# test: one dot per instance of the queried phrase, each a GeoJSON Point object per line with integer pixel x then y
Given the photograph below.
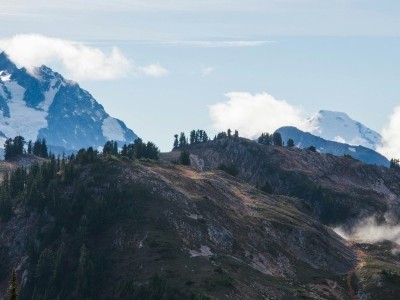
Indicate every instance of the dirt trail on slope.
{"type": "Point", "coordinates": [360, 264]}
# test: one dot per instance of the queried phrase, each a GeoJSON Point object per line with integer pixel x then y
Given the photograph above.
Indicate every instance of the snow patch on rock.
{"type": "Point", "coordinates": [49, 95]}
{"type": "Point", "coordinates": [112, 130]}
{"type": "Point", "coordinates": [24, 119]}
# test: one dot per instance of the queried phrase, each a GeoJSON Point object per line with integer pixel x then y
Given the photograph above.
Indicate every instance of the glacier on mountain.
{"type": "Point", "coordinates": [339, 127]}
{"type": "Point", "coordinates": [43, 104]}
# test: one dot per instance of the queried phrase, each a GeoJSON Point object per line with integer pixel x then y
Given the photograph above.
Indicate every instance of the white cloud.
{"type": "Point", "coordinates": [391, 136]}
{"type": "Point", "coordinates": [154, 70]}
{"type": "Point", "coordinates": [210, 44]}
{"type": "Point", "coordinates": [369, 231]}
{"type": "Point", "coordinates": [79, 60]}
{"type": "Point", "coordinates": [253, 114]}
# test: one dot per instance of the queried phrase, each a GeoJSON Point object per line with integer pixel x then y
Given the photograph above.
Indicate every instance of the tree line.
{"type": "Point", "coordinates": [274, 139]}
{"type": "Point", "coordinates": [200, 136]}
{"type": "Point", "coordinates": [138, 149]}
{"type": "Point", "coordinates": [14, 147]}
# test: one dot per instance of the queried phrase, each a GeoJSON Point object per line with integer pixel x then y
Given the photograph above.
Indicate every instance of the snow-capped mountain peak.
{"type": "Point", "coordinates": [339, 127]}
{"type": "Point", "coordinates": [42, 104]}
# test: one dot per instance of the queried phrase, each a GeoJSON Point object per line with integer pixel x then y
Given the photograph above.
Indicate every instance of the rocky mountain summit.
{"type": "Point", "coordinates": [42, 104]}
{"type": "Point", "coordinates": [339, 127]}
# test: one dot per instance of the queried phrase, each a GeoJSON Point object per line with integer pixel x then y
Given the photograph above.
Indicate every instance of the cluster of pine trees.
{"type": "Point", "coordinates": [274, 139]}
{"type": "Point", "coordinates": [15, 147]}
{"type": "Point", "coordinates": [200, 136]}
{"type": "Point", "coordinates": [137, 150]}
{"type": "Point", "coordinates": [227, 134]}
{"type": "Point", "coordinates": [39, 148]}
{"type": "Point", "coordinates": [271, 139]}
{"type": "Point", "coordinates": [395, 163]}
{"type": "Point", "coordinates": [196, 137]}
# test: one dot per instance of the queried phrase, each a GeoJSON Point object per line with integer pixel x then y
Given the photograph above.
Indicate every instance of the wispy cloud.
{"type": "Point", "coordinates": [253, 114]}
{"type": "Point", "coordinates": [206, 71]}
{"type": "Point", "coordinates": [208, 44]}
{"type": "Point", "coordinates": [79, 60]}
{"type": "Point", "coordinates": [391, 136]}
{"type": "Point", "coordinates": [149, 5]}
{"type": "Point", "coordinates": [154, 70]}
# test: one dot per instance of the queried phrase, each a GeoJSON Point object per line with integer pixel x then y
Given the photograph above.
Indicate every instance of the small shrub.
{"type": "Point", "coordinates": [312, 149]}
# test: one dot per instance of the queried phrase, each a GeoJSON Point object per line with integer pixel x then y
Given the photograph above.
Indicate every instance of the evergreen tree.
{"type": "Point", "coordinates": [184, 158]}
{"type": "Point", "coordinates": [152, 151]}
{"type": "Point", "coordinates": [265, 139]}
{"type": "Point", "coordinates": [395, 163]}
{"type": "Point", "coordinates": [108, 148]}
{"type": "Point", "coordinates": [205, 137]}
{"type": "Point", "coordinates": [6, 210]}
{"type": "Point", "coordinates": [290, 143]}
{"type": "Point", "coordinates": [12, 291]}
{"type": "Point", "coordinates": [18, 142]}
{"type": "Point", "coordinates": [8, 149]}
{"type": "Point", "coordinates": [221, 135]}
{"type": "Point", "coordinates": [43, 149]}
{"type": "Point", "coordinates": [312, 149]}
{"type": "Point", "coordinates": [37, 148]}
{"type": "Point", "coordinates": [182, 140]}
{"type": "Point", "coordinates": [139, 148]}
{"type": "Point", "coordinates": [115, 148]}
{"type": "Point", "coordinates": [13, 147]}
{"type": "Point", "coordinates": [30, 147]}
{"type": "Point", "coordinates": [229, 132]}
{"type": "Point", "coordinates": [236, 134]}
{"type": "Point", "coordinates": [193, 137]}
{"type": "Point", "coordinates": [40, 148]}
{"type": "Point", "coordinates": [176, 142]}
{"type": "Point", "coordinates": [124, 151]}
{"type": "Point", "coordinates": [199, 136]}
{"type": "Point", "coordinates": [277, 139]}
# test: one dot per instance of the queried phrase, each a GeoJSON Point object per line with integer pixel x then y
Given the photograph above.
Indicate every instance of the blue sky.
{"type": "Point", "coordinates": [315, 54]}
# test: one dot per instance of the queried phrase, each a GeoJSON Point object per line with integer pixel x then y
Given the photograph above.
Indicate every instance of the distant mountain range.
{"type": "Point", "coordinates": [45, 105]}
{"type": "Point", "coordinates": [305, 139]}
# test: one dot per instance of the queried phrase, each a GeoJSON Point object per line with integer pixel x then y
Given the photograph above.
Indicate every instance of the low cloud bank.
{"type": "Point", "coordinates": [369, 231]}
